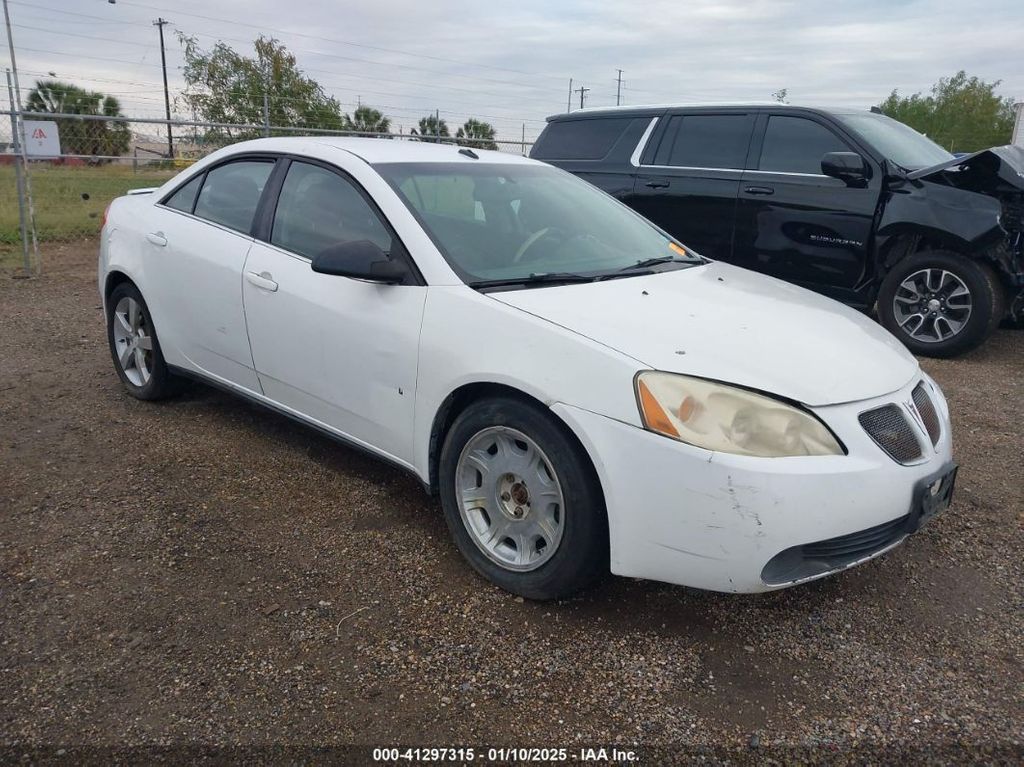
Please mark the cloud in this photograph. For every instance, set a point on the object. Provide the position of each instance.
(510, 63)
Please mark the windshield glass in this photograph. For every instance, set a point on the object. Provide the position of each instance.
(898, 142)
(503, 222)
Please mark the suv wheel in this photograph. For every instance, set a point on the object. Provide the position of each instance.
(940, 303)
(134, 346)
(522, 500)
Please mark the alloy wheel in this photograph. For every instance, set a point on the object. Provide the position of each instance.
(932, 305)
(510, 498)
(133, 341)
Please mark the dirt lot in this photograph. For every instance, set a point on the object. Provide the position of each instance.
(203, 572)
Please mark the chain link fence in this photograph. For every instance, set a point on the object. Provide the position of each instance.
(101, 158)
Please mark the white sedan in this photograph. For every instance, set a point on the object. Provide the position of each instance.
(583, 392)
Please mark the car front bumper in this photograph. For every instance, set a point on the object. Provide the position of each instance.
(684, 515)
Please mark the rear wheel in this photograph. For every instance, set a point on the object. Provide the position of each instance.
(135, 348)
(522, 500)
(940, 303)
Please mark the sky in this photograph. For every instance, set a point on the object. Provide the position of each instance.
(510, 63)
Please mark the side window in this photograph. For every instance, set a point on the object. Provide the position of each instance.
(185, 197)
(706, 141)
(231, 193)
(796, 145)
(587, 139)
(318, 209)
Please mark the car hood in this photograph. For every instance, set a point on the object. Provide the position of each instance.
(989, 171)
(725, 323)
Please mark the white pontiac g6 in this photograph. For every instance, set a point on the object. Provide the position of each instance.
(583, 392)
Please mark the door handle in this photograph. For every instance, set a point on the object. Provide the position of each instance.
(759, 190)
(157, 238)
(656, 184)
(263, 281)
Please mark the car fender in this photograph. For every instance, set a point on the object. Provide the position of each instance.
(512, 348)
(967, 222)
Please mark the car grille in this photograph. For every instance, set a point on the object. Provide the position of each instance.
(826, 556)
(926, 408)
(889, 428)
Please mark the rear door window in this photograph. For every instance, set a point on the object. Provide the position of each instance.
(185, 197)
(231, 193)
(796, 145)
(706, 141)
(589, 139)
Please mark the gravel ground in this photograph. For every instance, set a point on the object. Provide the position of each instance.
(202, 572)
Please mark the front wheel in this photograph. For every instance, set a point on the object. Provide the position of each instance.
(940, 303)
(522, 500)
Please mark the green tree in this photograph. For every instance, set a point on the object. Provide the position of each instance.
(962, 113)
(780, 95)
(224, 86)
(79, 136)
(369, 121)
(432, 129)
(476, 133)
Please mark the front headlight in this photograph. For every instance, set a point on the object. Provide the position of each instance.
(728, 419)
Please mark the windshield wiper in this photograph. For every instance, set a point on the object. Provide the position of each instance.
(537, 278)
(649, 262)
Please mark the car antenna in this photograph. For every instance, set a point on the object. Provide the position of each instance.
(469, 153)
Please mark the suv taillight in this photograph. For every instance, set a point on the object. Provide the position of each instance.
(103, 221)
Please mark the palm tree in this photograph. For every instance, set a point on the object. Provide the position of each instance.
(432, 129)
(476, 133)
(368, 121)
(78, 136)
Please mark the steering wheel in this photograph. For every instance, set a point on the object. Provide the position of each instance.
(533, 239)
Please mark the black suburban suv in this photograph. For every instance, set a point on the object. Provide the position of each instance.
(852, 204)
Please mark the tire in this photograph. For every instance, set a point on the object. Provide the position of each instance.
(538, 484)
(940, 303)
(142, 370)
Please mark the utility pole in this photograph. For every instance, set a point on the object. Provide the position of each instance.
(568, 104)
(618, 89)
(160, 22)
(583, 94)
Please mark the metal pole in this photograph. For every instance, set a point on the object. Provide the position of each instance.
(14, 62)
(266, 115)
(19, 178)
(167, 95)
(618, 90)
(568, 104)
(524, 139)
(19, 121)
(437, 125)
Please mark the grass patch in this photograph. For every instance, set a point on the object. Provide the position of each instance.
(68, 200)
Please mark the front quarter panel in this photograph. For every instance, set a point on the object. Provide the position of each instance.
(965, 221)
(469, 337)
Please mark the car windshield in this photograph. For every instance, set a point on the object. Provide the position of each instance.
(507, 222)
(898, 142)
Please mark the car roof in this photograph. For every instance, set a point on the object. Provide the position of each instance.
(645, 109)
(375, 150)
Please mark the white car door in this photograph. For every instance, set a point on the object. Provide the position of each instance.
(201, 238)
(339, 351)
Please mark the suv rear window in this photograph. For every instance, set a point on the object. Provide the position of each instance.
(706, 141)
(589, 139)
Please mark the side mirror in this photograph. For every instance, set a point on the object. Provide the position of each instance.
(360, 260)
(846, 166)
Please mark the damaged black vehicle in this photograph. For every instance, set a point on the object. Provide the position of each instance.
(852, 204)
